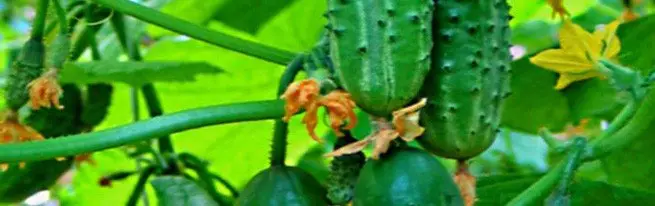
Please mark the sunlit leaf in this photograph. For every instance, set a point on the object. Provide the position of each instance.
(134, 73)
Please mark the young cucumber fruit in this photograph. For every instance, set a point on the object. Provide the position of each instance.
(26, 68)
(406, 176)
(344, 171)
(381, 50)
(282, 185)
(469, 77)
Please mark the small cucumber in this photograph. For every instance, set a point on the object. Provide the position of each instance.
(26, 68)
(344, 171)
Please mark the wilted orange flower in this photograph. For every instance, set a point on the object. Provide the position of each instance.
(306, 94)
(465, 181)
(558, 8)
(45, 91)
(405, 125)
(11, 131)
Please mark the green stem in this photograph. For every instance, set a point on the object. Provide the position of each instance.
(155, 17)
(140, 185)
(636, 127)
(205, 176)
(539, 190)
(38, 26)
(61, 14)
(140, 131)
(131, 47)
(561, 193)
(619, 121)
(280, 131)
(233, 190)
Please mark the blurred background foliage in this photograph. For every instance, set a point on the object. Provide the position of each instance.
(238, 151)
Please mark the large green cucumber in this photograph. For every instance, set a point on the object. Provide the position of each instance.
(381, 50)
(469, 79)
(406, 176)
(282, 185)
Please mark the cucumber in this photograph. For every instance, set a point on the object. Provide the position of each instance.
(96, 106)
(344, 171)
(380, 50)
(470, 77)
(282, 185)
(27, 67)
(406, 176)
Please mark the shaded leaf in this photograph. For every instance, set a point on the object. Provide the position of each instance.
(252, 13)
(534, 102)
(179, 191)
(498, 190)
(133, 73)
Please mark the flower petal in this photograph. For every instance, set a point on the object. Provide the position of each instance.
(577, 41)
(560, 61)
(566, 79)
(350, 148)
(608, 36)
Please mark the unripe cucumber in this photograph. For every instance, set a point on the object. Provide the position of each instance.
(344, 171)
(58, 51)
(282, 185)
(53, 122)
(406, 176)
(18, 184)
(469, 79)
(381, 50)
(26, 68)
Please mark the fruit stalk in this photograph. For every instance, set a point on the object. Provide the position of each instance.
(280, 131)
(38, 26)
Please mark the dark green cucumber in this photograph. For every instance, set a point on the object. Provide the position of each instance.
(469, 79)
(52, 122)
(406, 176)
(282, 185)
(344, 171)
(96, 105)
(26, 68)
(381, 50)
(18, 184)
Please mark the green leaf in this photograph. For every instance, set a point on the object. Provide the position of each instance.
(179, 191)
(134, 73)
(534, 102)
(252, 13)
(498, 190)
(633, 166)
(194, 11)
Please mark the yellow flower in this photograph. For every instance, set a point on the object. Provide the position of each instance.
(579, 52)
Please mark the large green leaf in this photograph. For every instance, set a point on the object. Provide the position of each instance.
(179, 191)
(498, 190)
(534, 102)
(249, 15)
(134, 73)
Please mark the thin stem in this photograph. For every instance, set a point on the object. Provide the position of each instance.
(38, 26)
(636, 127)
(172, 23)
(280, 131)
(131, 47)
(134, 103)
(140, 186)
(140, 131)
(539, 190)
(233, 190)
(61, 14)
(205, 176)
(619, 121)
(573, 161)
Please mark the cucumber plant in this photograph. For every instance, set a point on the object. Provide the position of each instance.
(437, 71)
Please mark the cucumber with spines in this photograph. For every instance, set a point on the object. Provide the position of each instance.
(469, 79)
(344, 171)
(26, 68)
(381, 50)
